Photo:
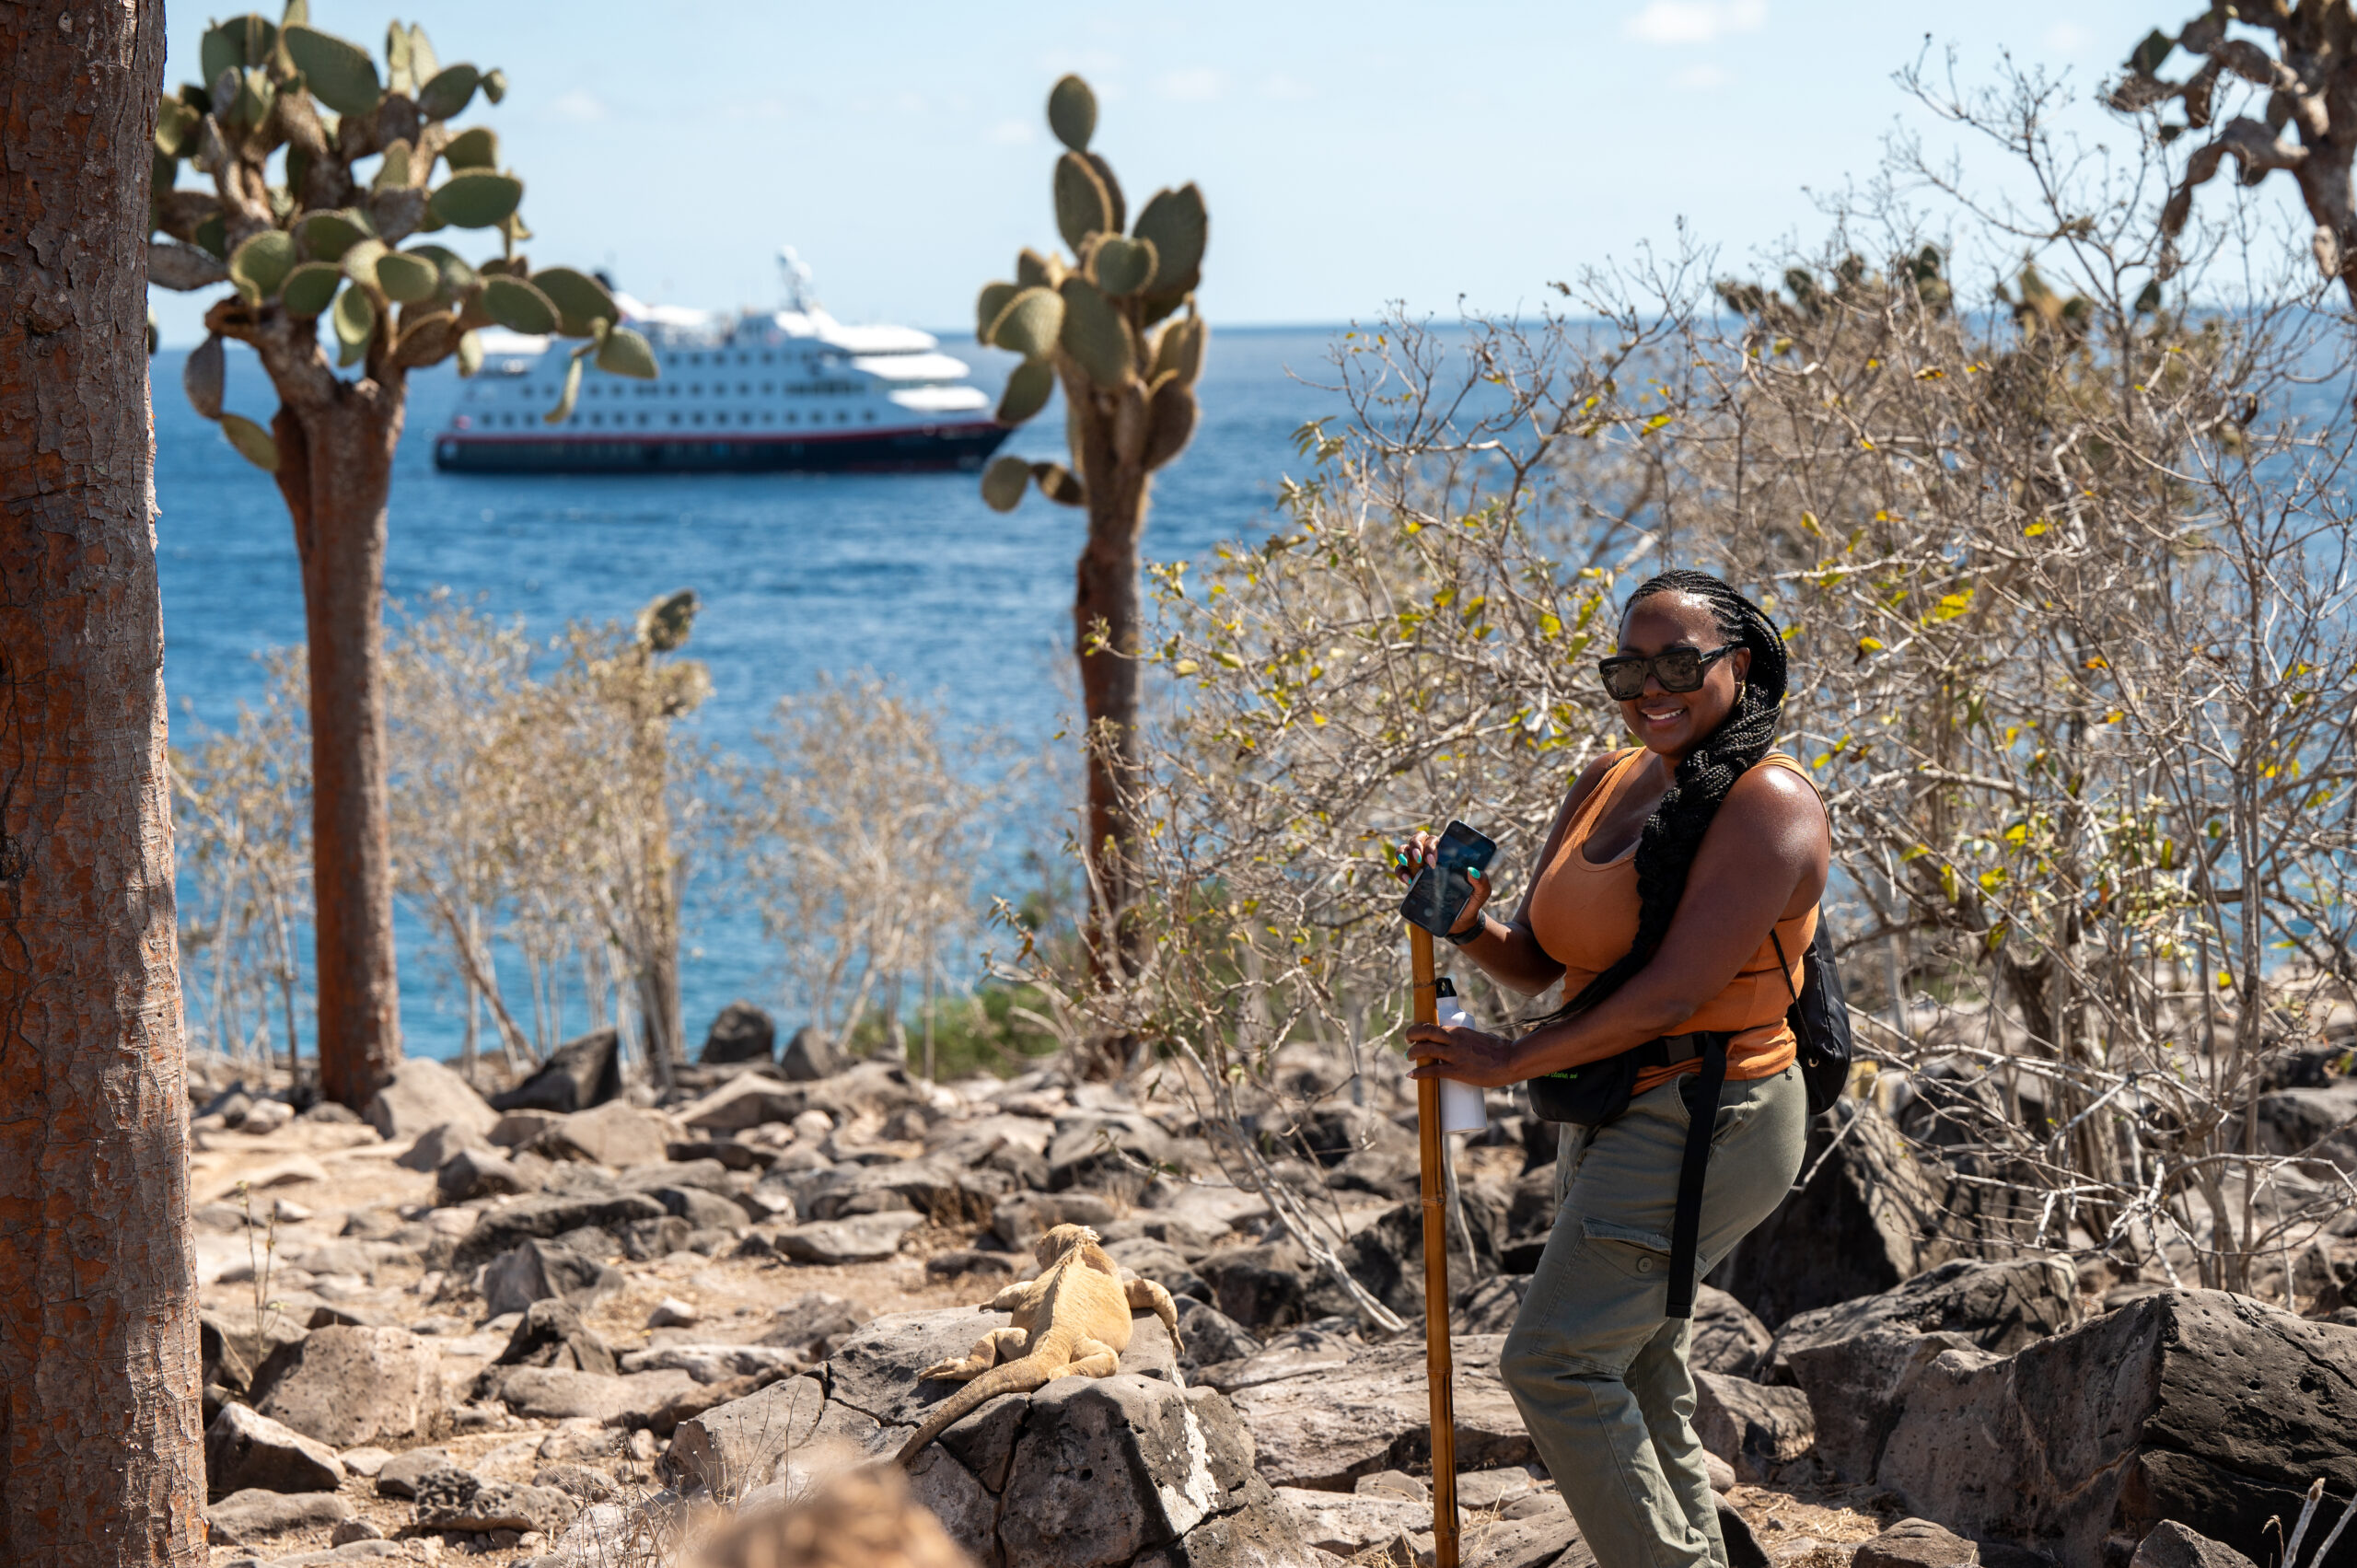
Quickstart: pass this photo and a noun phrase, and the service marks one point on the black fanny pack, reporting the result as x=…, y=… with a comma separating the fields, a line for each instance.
x=1595, y=1093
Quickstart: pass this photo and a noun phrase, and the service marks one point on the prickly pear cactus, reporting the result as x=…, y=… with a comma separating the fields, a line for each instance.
x=1115, y=323
x=312, y=240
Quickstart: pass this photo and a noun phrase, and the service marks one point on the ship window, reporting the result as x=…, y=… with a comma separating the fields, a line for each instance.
x=769, y=358
x=769, y=387
x=641, y=419
x=744, y=389
x=699, y=416
x=869, y=416
x=793, y=419
x=675, y=416
x=842, y=416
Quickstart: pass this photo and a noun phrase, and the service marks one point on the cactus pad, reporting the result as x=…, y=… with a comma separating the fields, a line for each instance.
x=1032, y=324
x=408, y=280
x=339, y=73
x=449, y=93
x=476, y=198
x=1072, y=112
x=325, y=236
x=1027, y=391
x=578, y=298
x=1178, y=350
x=1058, y=485
x=475, y=147
x=309, y=288
x=987, y=306
x=518, y=307
x=1122, y=266
x=1170, y=420
x=202, y=376
x=624, y=352
x=253, y=443
x=1034, y=271
x=563, y=410
x=1176, y=222
x=1003, y=484
x=1094, y=334
x=261, y=264
x=355, y=320
x=1083, y=205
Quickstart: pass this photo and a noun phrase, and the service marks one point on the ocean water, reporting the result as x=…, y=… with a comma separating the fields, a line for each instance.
x=906, y=575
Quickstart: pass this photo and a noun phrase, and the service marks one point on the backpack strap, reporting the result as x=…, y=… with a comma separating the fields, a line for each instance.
x=1686, y=1228
x=1783, y=964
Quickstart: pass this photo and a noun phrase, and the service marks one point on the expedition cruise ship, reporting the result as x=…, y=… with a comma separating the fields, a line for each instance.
x=794, y=389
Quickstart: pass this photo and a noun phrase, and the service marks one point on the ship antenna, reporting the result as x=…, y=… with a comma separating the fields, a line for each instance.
x=799, y=294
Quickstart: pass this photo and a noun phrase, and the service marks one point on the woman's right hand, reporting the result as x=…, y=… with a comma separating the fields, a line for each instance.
x=1417, y=853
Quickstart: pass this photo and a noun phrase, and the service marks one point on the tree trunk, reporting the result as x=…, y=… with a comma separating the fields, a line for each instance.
x=335, y=466
x=101, y=1461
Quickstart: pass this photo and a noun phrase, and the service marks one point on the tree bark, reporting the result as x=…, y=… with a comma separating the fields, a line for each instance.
x=336, y=441
x=100, y=1459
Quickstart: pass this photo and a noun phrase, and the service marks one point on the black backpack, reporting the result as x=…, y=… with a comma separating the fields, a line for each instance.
x=1820, y=1018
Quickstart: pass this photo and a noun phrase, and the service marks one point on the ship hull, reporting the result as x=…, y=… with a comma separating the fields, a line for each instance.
x=868, y=451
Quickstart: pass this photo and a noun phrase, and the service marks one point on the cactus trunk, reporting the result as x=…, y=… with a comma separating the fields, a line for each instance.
x=335, y=444
x=1106, y=595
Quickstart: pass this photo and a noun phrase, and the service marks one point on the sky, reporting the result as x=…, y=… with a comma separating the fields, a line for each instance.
x=1350, y=156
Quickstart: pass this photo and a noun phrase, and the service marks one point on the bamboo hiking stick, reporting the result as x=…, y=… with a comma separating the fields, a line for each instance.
x=1439, y=1369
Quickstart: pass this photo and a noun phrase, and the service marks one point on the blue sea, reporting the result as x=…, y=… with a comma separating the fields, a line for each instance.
x=909, y=576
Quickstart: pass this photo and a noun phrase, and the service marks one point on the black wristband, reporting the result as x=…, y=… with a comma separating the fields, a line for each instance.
x=1481, y=923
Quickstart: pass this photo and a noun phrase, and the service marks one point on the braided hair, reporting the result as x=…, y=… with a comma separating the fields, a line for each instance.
x=1674, y=832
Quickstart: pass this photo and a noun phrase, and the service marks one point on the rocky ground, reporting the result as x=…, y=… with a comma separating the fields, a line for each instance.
x=579, y=1326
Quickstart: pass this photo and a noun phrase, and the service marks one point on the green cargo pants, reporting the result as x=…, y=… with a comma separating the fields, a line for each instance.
x=1599, y=1374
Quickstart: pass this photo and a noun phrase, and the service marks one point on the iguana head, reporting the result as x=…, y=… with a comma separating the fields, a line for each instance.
x=1062, y=1239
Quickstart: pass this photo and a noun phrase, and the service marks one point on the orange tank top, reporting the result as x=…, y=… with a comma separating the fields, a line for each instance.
x=1584, y=916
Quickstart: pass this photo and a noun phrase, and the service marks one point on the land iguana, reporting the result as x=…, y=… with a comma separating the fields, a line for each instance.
x=1072, y=1321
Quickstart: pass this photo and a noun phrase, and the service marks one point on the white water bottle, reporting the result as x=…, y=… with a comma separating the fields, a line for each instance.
x=1462, y=1108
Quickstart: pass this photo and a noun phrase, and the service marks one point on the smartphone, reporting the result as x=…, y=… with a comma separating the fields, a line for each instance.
x=1438, y=896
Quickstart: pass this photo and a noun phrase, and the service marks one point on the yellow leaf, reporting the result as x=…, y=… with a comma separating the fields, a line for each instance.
x=2035, y=529
x=1870, y=645
x=1185, y=666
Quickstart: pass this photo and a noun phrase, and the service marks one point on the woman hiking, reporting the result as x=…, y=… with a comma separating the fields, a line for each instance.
x=1681, y=877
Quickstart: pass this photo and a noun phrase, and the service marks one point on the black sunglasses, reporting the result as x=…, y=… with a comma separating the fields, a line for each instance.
x=1678, y=669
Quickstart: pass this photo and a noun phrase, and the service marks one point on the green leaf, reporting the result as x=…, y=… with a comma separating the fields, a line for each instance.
x=408, y=280
x=1027, y=391
x=449, y=93
x=253, y=443
x=494, y=84
x=457, y=277
x=1003, y=484
x=624, y=353
x=563, y=410
x=1072, y=112
x=518, y=307
x=476, y=198
x=475, y=147
x=261, y=264
x=309, y=288
x=2152, y=53
x=424, y=64
x=578, y=298
x=339, y=73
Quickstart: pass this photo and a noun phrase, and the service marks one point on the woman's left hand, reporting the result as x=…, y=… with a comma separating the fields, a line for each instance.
x=1468, y=1056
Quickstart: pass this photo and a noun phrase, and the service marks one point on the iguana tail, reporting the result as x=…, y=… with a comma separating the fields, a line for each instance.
x=1023, y=1376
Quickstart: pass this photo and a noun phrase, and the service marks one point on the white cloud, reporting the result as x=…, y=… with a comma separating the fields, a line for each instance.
x=1287, y=90
x=1703, y=79
x=1694, y=21
x=2068, y=38
x=1198, y=86
x=580, y=105
x=1013, y=133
